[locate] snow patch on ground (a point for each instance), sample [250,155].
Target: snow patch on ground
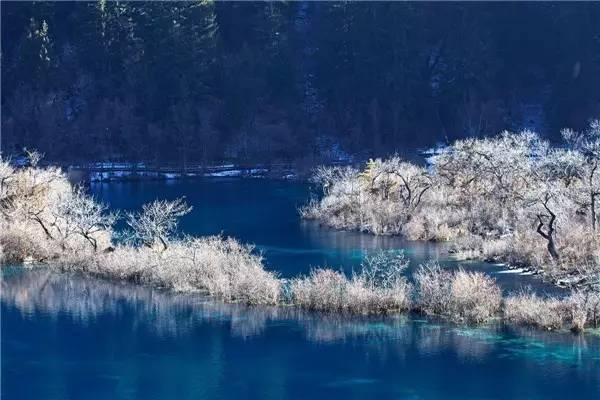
[233,172]
[512,271]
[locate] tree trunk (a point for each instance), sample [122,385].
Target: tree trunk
[593,209]
[549,236]
[552,248]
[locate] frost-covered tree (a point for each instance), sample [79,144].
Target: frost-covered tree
[398,179]
[31,193]
[499,166]
[383,268]
[80,214]
[157,221]
[511,197]
[585,164]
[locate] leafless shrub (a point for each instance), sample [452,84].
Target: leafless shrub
[33,157]
[25,243]
[331,291]
[527,308]
[583,308]
[383,268]
[322,290]
[463,296]
[433,288]
[222,268]
[157,221]
[475,296]
[18,247]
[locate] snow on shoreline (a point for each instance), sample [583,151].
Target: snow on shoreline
[132,173]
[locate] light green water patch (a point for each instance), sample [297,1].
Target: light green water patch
[483,334]
[533,345]
[569,351]
[352,382]
[593,332]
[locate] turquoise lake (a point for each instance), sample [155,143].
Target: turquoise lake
[71,337]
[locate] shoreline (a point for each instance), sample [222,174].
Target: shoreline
[455,255]
[126,172]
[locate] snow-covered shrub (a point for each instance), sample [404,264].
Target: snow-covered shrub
[24,243]
[222,268]
[475,296]
[372,291]
[433,289]
[583,309]
[527,308]
[383,268]
[326,290]
[322,290]
[460,295]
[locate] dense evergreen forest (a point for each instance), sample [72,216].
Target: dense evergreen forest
[203,81]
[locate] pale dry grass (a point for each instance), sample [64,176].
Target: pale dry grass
[331,291]
[221,268]
[527,308]
[462,296]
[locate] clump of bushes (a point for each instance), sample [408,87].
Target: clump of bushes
[220,267]
[332,291]
[576,311]
[461,296]
[20,244]
[380,287]
[528,308]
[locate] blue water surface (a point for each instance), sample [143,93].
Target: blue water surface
[264,213]
[65,336]
[69,337]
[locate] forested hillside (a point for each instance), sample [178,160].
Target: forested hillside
[202,81]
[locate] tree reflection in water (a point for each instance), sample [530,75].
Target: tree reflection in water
[39,291]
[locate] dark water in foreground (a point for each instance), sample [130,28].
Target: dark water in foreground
[265,213]
[66,337]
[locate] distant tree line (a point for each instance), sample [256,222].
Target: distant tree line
[202,81]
